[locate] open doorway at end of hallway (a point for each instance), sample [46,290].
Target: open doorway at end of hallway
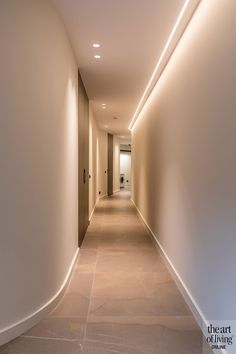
[125,167]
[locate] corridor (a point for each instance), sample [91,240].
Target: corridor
[98,99]
[121,298]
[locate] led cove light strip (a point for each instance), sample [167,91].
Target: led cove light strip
[141,102]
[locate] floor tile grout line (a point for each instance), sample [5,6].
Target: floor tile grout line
[52,338]
[117,344]
[83,341]
[104,272]
[86,324]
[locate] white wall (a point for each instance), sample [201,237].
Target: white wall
[97,162]
[93,161]
[116,164]
[38,158]
[125,167]
[102,162]
[184,169]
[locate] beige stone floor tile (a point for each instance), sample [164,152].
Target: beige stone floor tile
[111,220]
[81,283]
[118,230]
[96,347]
[185,323]
[121,299]
[146,260]
[111,240]
[41,346]
[87,261]
[117,286]
[138,306]
[72,305]
[128,285]
[67,328]
[116,210]
[160,337]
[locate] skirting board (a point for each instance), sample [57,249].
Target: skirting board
[91,215]
[103,196]
[116,191]
[195,309]
[16,329]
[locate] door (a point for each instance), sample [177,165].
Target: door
[83,136]
[110,164]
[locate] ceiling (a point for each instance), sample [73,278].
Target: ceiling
[132,35]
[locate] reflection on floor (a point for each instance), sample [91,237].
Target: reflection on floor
[121,299]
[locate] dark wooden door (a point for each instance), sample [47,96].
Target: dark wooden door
[110,164]
[83,126]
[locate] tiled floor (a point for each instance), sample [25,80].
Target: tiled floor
[121,299]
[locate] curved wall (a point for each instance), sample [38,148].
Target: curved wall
[183,160]
[116,164]
[38,159]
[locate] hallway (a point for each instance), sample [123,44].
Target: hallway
[121,298]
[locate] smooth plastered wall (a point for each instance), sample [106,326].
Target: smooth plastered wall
[183,150]
[93,162]
[116,164]
[38,157]
[102,147]
[97,162]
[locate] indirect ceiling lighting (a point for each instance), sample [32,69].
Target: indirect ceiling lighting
[191,5]
[96,45]
[97,56]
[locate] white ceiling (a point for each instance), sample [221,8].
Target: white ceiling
[132,35]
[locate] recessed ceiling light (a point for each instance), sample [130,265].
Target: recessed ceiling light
[96,45]
[103,104]
[97,56]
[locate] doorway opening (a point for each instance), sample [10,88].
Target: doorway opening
[125,166]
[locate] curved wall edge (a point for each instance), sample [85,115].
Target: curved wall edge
[186,293]
[184,290]
[16,329]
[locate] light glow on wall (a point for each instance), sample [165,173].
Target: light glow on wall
[162,60]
